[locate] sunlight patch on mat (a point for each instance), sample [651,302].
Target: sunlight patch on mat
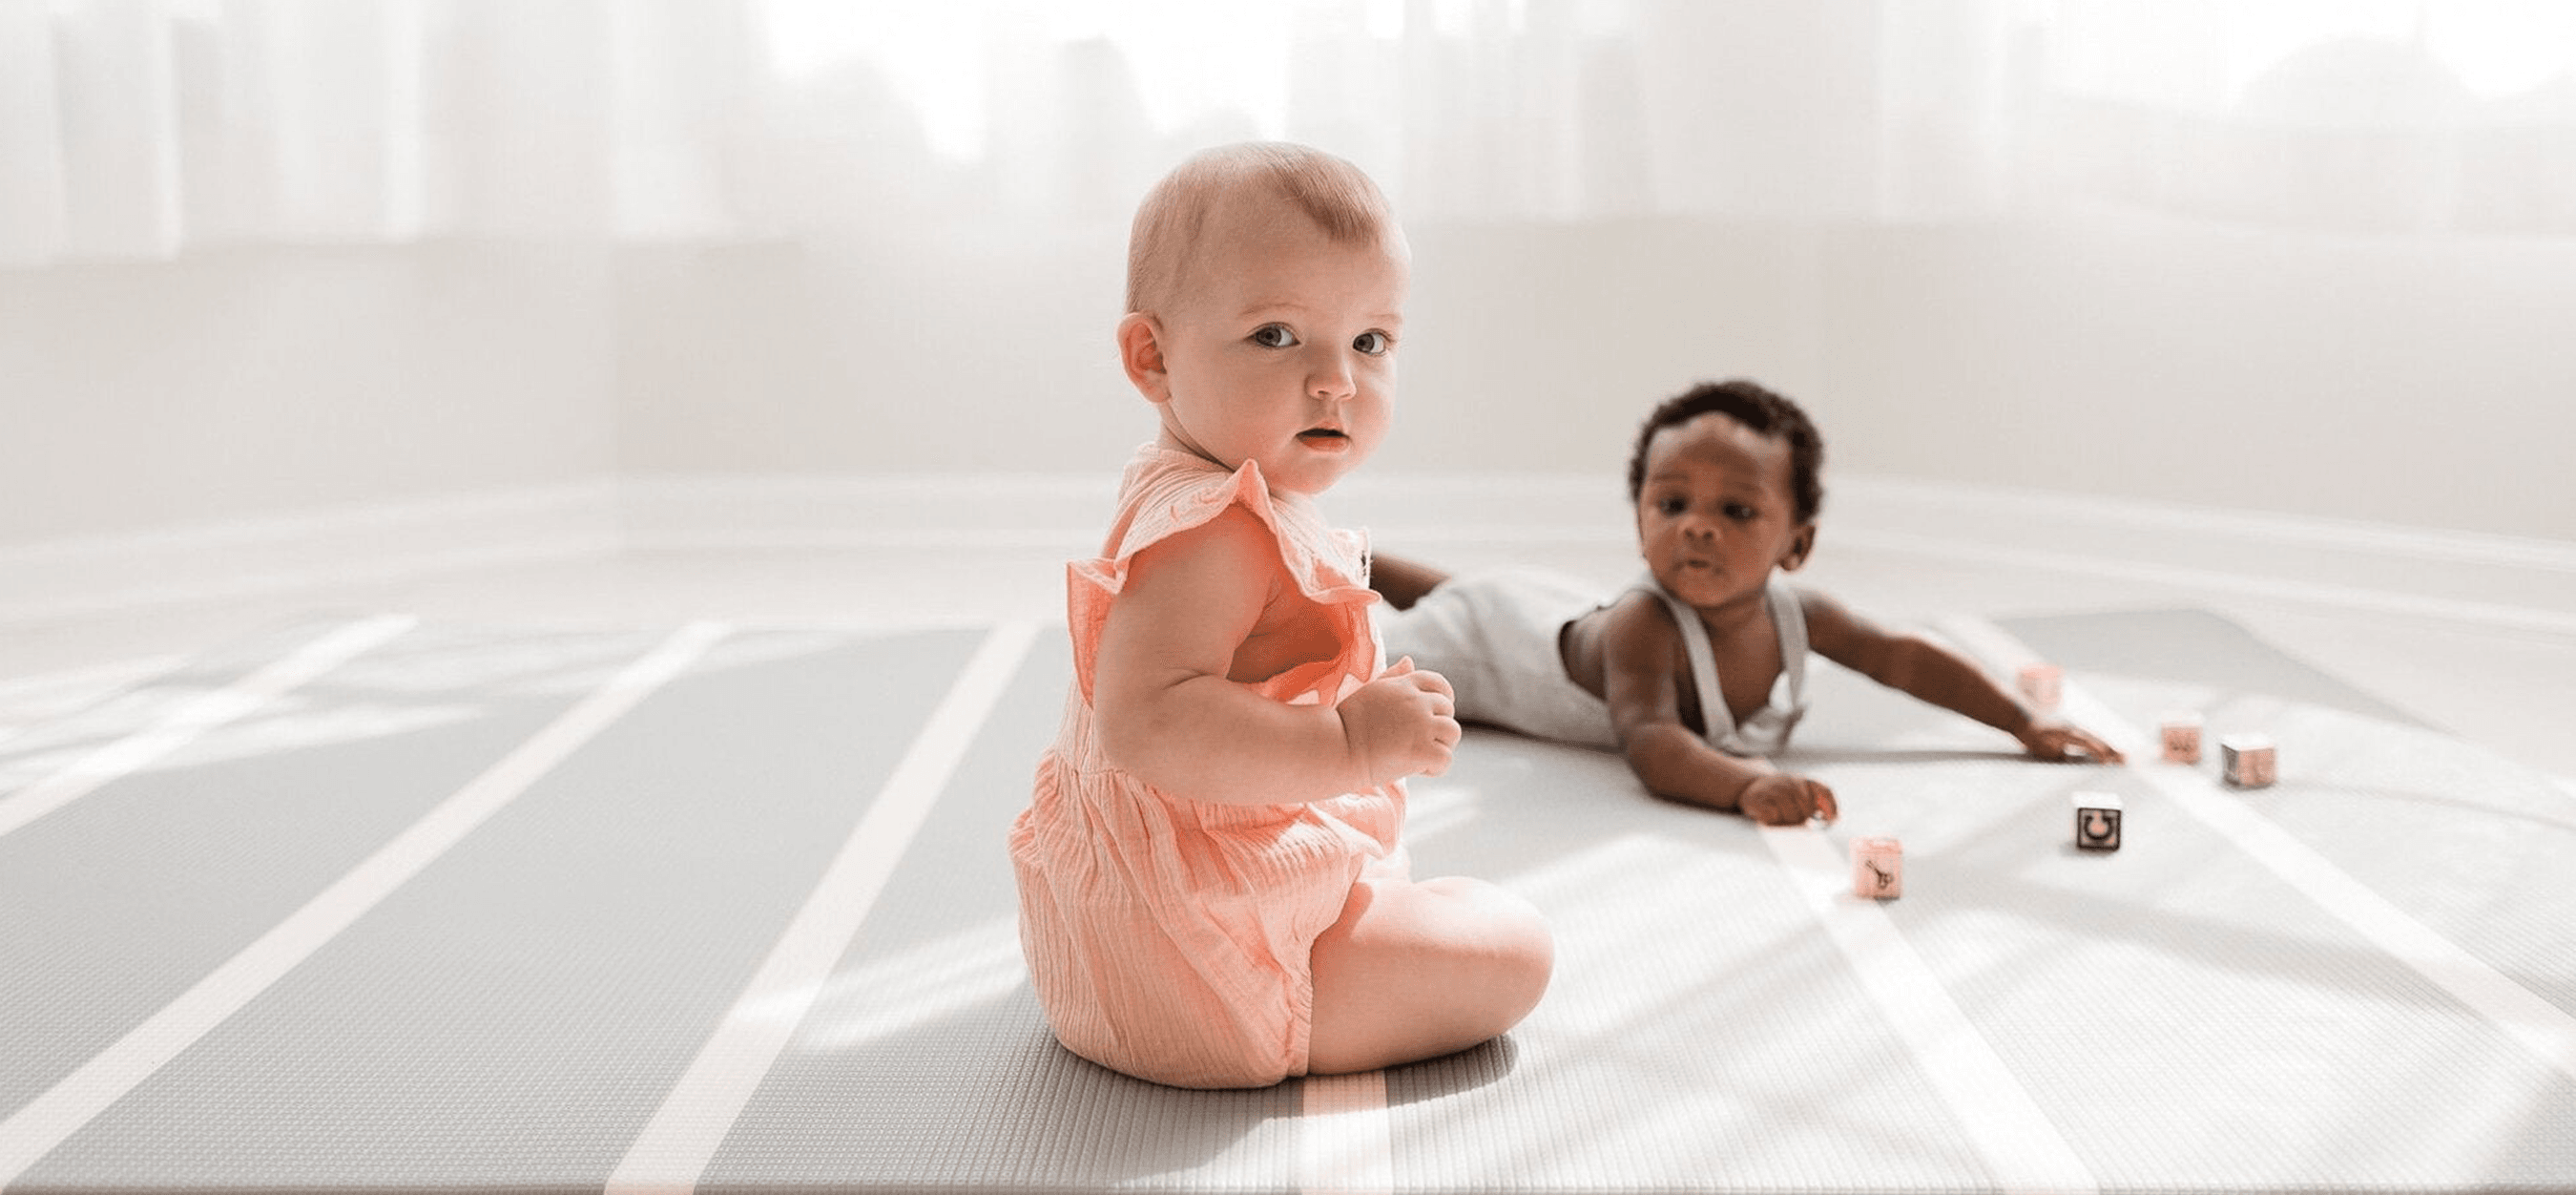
[1635,896]
[1432,808]
[903,991]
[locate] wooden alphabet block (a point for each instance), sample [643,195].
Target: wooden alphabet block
[1878,868]
[2181,732]
[2248,760]
[2097,821]
[2043,684]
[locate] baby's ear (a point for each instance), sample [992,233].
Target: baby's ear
[1800,545]
[1140,349]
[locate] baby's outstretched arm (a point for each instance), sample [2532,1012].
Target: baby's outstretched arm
[1933,673]
[2059,741]
[1172,713]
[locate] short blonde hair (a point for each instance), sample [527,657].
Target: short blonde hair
[1339,197]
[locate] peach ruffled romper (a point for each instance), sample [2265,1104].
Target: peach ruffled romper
[1168,938]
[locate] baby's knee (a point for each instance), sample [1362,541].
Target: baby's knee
[1511,940]
[1417,970]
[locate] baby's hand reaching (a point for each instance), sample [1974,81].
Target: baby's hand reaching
[2061,742]
[1784,799]
[1402,724]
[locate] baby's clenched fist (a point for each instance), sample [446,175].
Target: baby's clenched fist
[1402,724]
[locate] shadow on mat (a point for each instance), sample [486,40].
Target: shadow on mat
[1797,757]
[2194,646]
[984,1097]
[1415,1082]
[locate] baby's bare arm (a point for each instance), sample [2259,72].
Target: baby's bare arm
[1678,765]
[1170,714]
[1910,664]
[1642,689]
[1930,672]
[1403,582]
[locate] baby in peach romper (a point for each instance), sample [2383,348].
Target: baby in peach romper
[1213,892]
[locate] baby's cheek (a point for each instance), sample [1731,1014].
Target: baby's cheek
[1370,424]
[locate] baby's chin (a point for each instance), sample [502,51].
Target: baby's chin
[1696,585]
[1309,472]
[1299,481]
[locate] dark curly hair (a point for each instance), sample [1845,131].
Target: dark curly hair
[1766,413]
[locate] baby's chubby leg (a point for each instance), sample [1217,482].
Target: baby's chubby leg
[1418,970]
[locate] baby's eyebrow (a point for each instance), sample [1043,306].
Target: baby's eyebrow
[1384,319]
[1732,490]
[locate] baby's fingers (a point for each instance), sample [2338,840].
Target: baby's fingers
[1825,805]
[1782,800]
[1445,733]
[2073,745]
[1420,677]
[2101,752]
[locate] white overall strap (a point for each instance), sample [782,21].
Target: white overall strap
[1791,619]
[1717,723]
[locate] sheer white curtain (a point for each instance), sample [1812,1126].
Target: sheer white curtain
[146,128]
[2403,116]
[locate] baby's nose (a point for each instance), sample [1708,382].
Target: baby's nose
[1332,380]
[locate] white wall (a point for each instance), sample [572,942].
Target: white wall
[2427,384]
[230,386]
[2419,383]
[2412,382]
[992,355]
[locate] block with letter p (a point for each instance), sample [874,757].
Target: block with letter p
[1878,868]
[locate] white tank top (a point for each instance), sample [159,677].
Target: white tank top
[1766,732]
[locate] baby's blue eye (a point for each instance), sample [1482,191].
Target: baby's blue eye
[1373,343]
[1273,336]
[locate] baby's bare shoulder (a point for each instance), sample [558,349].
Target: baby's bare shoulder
[1636,619]
[1633,632]
[1231,540]
[1231,554]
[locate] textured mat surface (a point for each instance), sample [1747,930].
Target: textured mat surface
[381,905]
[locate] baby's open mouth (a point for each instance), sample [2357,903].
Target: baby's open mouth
[1323,435]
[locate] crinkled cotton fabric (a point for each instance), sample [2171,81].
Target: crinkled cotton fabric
[1170,938]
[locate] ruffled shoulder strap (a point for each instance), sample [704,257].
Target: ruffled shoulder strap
[1166,492]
